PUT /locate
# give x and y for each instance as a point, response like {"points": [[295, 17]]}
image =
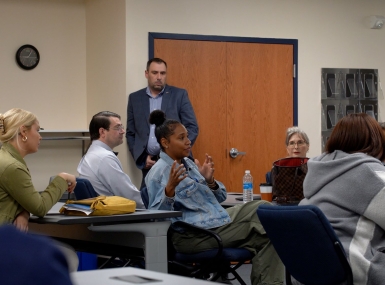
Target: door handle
{"points": [[234, 152]]}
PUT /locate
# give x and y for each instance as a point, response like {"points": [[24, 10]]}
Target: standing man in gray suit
{"points": [[156, 96]]}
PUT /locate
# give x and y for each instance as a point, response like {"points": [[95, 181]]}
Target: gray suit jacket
{"points": [[176, 105]]}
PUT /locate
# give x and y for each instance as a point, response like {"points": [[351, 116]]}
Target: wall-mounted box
{"points": [[351, 86], [346, 91], [325, 136]]}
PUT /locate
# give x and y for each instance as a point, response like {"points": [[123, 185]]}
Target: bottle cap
{"points": [[247, 171]]}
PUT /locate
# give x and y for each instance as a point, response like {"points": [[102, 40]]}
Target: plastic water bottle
{"points": [[247, 187]]}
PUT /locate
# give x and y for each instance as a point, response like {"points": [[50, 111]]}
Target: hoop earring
{"points": [[24, 139]]}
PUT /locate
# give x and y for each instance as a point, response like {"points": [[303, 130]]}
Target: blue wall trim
{"points": [[293, 42]]}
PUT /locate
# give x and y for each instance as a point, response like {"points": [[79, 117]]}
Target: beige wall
{"points": [[93, 53], [106, 66], [56, 89]]}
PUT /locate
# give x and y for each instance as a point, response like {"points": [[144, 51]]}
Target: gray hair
{"points": [[295, 130]]}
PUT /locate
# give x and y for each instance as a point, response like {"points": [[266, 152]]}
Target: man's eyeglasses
{"points": [[298, 143], [118, 128]]}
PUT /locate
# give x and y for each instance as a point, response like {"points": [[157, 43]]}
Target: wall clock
{"points": [[27, 57]]}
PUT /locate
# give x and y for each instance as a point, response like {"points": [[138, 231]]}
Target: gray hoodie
{"points": [[350, 190]]}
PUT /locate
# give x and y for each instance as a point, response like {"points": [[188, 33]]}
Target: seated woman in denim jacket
{"points": [[176, 183]]}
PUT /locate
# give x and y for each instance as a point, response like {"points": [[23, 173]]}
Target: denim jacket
{"points": [[199, 204]]}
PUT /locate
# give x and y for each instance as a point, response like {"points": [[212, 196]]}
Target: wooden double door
{"points": [[242, 94]]}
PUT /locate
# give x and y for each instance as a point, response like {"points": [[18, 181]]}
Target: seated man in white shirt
{"points": [[101, 166]]}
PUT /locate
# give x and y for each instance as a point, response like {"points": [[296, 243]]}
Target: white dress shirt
{"points": [[103, 169]]}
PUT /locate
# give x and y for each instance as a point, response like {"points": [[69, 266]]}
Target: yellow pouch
{"points": [[101, 206]]}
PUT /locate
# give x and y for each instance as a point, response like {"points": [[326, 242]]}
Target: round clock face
{"points": [[27, 57]]}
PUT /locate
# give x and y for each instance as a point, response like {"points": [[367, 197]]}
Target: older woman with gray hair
{"points": [[297, 145], [297, 142]]}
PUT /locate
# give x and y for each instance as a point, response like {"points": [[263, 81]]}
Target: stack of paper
{"points": [[86, 209]]}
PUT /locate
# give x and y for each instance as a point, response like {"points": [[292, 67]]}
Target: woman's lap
{"points": [[245, 231]]}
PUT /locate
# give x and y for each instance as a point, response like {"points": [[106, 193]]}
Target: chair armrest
{"points": [[212, 234]]}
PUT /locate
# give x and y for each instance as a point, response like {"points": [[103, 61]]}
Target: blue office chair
{"points": [[84, 189], [268, 177], [208, 265], [30, 259], [307, 244]]}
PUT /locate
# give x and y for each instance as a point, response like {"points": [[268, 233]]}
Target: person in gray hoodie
{"points": [[347, 182]]}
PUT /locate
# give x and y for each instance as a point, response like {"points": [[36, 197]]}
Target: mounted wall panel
{"points": [[347, 91]]}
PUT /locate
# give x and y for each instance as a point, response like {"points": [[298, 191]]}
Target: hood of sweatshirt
{"points": [[323, 169]]}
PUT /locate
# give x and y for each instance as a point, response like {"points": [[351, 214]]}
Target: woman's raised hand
{"points": [[207, 169], [177, 174]]}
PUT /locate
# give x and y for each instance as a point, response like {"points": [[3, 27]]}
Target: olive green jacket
{"points": [[17, 191]]}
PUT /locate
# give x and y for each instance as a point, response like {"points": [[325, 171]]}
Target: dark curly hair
{"points": [[164, 128]]}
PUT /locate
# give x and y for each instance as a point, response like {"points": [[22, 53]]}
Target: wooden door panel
{"points": [[260, 103], [200, 68], [242, 94]]}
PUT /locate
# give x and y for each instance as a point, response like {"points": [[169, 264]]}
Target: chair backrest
{"points": [[306, 243], [84, 189], [144, 195], [30, 259], [268, 177]]}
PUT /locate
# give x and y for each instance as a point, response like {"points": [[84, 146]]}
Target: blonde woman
{"points": [[19, 135]]}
